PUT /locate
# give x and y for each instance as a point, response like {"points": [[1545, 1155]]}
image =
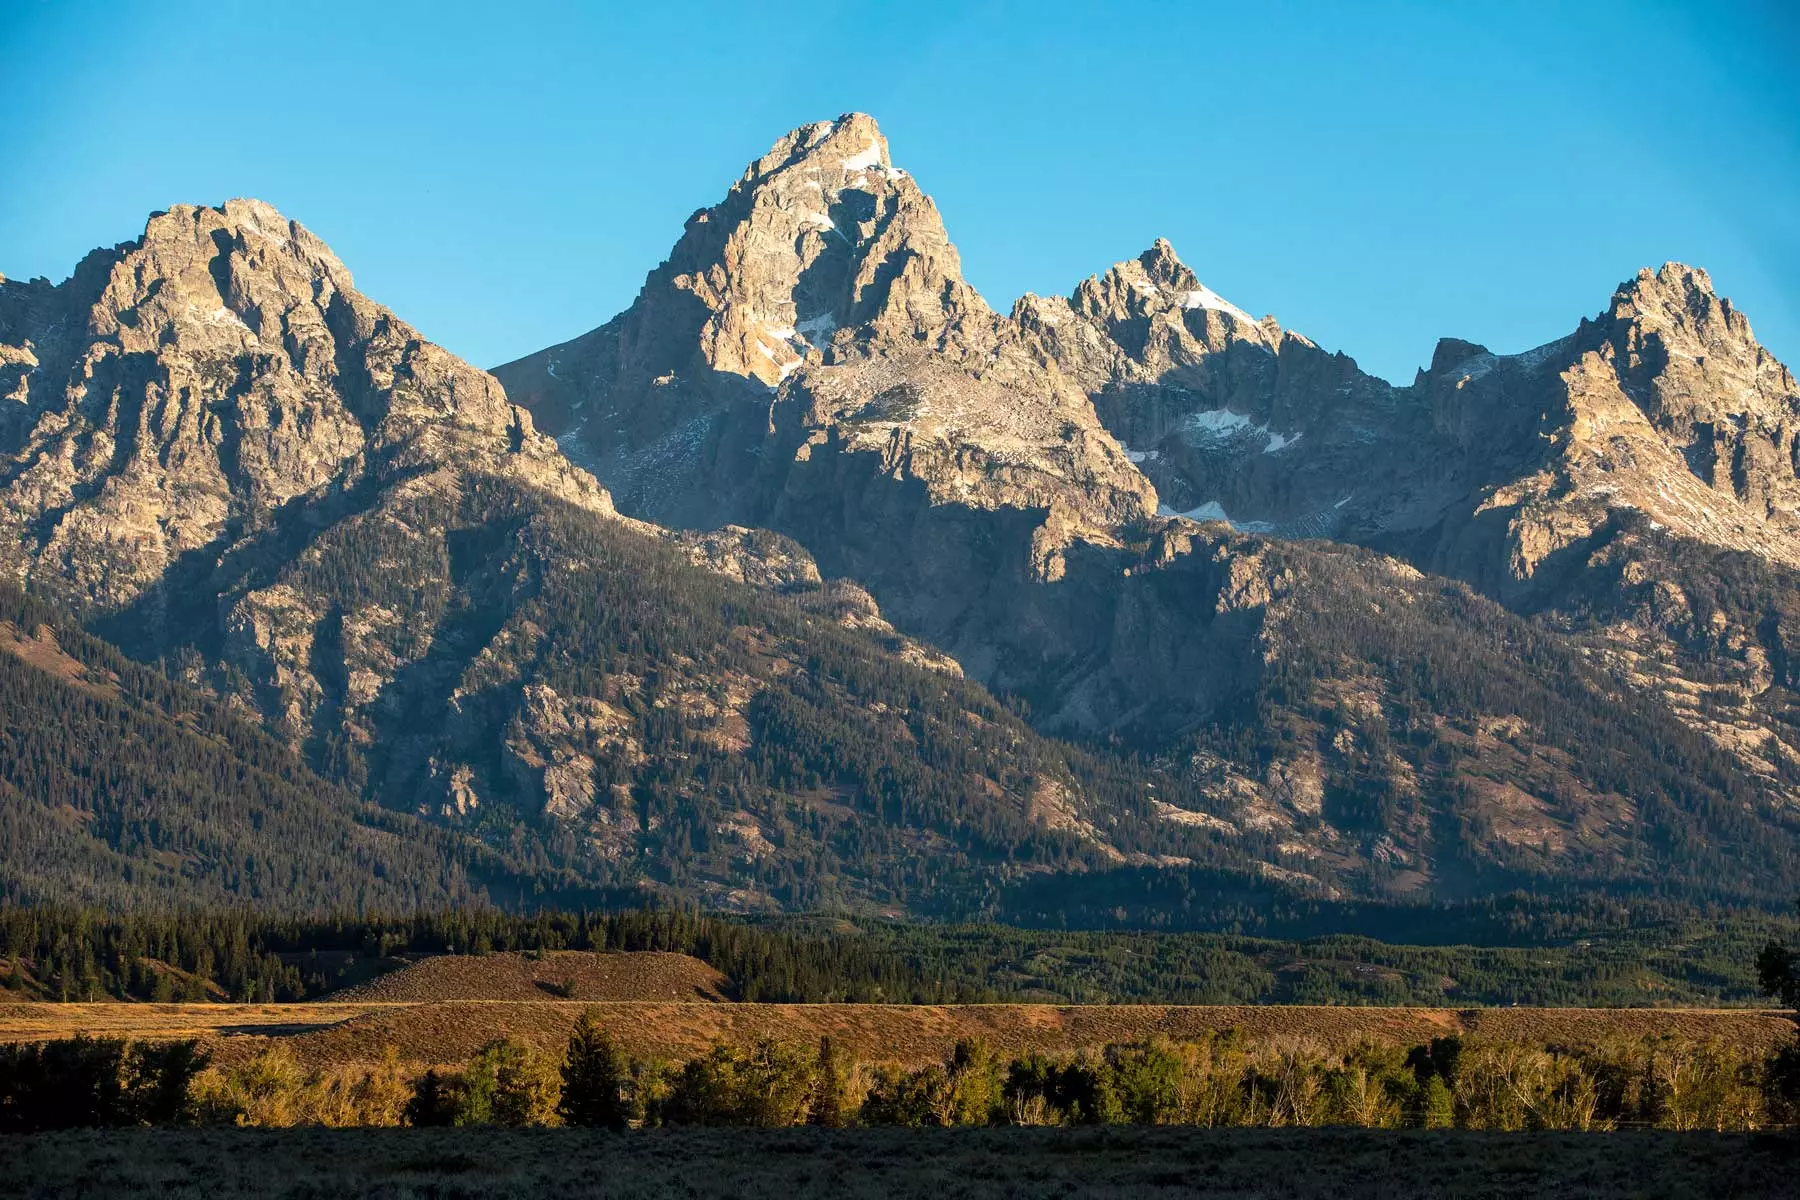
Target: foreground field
{"points": [[404, 1164], [338, 1034]]}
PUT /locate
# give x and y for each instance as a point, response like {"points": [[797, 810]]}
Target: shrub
{"points": [[766, 1085], [508, 1083], [435, 1102]]}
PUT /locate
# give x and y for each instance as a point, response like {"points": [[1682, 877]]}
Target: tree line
{"points": [[1652, 955], [1225, 1079]]}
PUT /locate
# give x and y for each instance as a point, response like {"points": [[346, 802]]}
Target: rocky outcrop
{"points": [[1485, 466]]}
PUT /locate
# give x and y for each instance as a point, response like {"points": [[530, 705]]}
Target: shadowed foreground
{"points": [[791, 1164]]}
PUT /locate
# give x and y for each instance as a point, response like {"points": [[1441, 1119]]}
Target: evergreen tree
{"points": [[597, 1087], [434, 1102]]}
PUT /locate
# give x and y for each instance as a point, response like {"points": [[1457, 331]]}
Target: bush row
{"points": [[1221, 1080]]}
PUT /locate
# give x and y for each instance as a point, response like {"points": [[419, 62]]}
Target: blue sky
{"points": [[1376, 174]]}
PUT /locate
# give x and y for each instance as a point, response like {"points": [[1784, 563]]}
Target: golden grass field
{"points": [[449, 1031], [799, 1164]]}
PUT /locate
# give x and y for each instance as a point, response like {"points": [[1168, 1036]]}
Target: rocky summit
{"points": [[908, 604]]}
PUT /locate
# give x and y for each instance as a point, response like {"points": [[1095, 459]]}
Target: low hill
{"points": [[562, 974]]}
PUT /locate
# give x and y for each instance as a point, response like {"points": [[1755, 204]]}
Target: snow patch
{"points": [[814, 328], [870, 157], [1475, 368], [1221, 424], [1205, 297], [1216, 422], [1141, 456], [550, 368], [819, 220], [1534, 357], [224, 316], [1212, 510]]}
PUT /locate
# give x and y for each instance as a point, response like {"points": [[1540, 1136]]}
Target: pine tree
{"points": [[433, 1102], [597, 1091]]}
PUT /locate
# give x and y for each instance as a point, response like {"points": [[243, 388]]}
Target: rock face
{"points": [[810, 360], [1601, 481], [1486, 466], [813, 331]]}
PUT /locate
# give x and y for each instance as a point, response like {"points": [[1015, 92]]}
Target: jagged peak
{"points": [[852, 144], [250, 223], [1164, 279], [1678, 304], [1672, 289], [1165, 268]]}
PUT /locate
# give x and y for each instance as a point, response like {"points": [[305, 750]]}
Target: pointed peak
{"points": [[1673, 281], [852, 143], [239, 213], [244, 220], [1165, 268], [1677, 297]]}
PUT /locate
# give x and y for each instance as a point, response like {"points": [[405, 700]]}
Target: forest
{"points": [[1669, 957]]}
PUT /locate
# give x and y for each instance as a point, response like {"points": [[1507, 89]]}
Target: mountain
{"points": [[1632, 485], [894, 602], [1044, 496], [234, 465]]}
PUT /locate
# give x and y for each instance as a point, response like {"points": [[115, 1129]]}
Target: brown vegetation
{"points": [[337, 1034], [793, 1164], [553, 975]]}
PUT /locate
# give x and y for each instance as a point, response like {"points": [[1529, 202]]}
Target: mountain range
{"points": [[812, 581]]}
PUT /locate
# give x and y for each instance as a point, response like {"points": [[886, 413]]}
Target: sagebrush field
{"points": [[450, 1031], [791, 1164]]}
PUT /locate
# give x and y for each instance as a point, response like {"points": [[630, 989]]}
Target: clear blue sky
{"points": [[1376, 174]]}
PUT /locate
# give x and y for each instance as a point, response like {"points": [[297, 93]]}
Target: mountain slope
{"points": [[1608, 482], [118, 788]]}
